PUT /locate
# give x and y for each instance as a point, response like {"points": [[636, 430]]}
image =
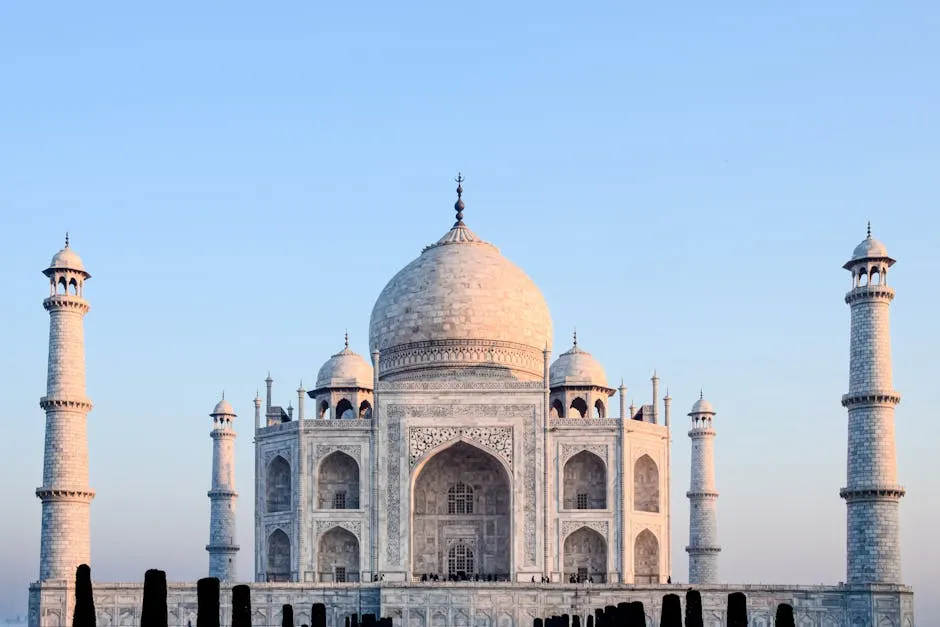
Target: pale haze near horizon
{"points": [[682, 183]]}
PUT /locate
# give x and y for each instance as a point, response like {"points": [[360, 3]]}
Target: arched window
{"points": [[344, 410], [73, 287], [338, 482], [645, 485], [365, 410], [63, 287], [460, 560], [579, 406], [558, 410], [278, 485], [323, 411], [599, 409], [585, 482], [460, 499], [278, 556], [646, 558]]}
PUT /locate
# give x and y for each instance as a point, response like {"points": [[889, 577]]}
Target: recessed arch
{"points": [[278, 485], [338, 556], [323, 410], [62, 286], [338, 482], [585, 482], [600, 411], [558, 409], [646, 485], [585, 556], [73, 286], [278, 563], [482, 483], [579, 405], [365, 410], [344, 410], [646, 558]]}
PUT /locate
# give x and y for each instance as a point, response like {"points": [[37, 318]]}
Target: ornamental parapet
{"points": [[66, 301], [871, 397], [222, 434], [701, 432], [584, 423], [65, 494], [876, 493], [869, 292], [64, 402], [705, 494], [223, 493]]}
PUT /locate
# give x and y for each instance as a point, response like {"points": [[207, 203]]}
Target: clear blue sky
{"points": [[683, 182]]}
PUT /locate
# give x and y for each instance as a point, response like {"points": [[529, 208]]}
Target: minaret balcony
{"points": [[869, 292], [65, 494], [66, 301], [871, 397], [874, 493], [61, 402]]}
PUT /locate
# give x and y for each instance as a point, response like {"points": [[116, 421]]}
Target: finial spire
{"points": [[459, 206], [223, 395], [66, 239], [576, 336], [869, 231], [346, 338], [701, 394]]}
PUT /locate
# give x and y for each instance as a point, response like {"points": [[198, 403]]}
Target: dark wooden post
{"points": [[241, 606], [84, 613], [207, 602], [153, 612]]}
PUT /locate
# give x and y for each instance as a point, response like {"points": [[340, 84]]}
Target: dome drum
{"points": [[486, 357]]}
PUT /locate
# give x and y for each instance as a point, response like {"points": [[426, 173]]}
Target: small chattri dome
{"points": [[222, 408], [868, 249], [67, 259], [577, 367], [702, 406], [345, 369]]}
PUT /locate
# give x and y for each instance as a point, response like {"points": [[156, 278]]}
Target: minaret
{"points": [[703, 546], [65, 495], [222, 548], [872, 494]]}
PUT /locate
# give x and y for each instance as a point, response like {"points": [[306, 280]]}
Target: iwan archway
{"points": [[461, 525]]}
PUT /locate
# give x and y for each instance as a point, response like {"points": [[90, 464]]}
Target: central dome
{"points": [[460, 306]]}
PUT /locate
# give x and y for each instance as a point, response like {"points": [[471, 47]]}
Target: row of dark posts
{"points": [[153, 612], [632, 614]]}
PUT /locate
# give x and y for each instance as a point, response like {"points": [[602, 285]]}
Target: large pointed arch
{"points": [[646, 558], [585, 482], [481, 522], [338, 556], [278, 556], [646, 485], [338, 482], [278, 485]]}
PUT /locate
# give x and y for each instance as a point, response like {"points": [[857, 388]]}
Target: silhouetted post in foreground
{"points": [[353, 621], [785, 616], [368, 620], [241, 606], [287, 615], [693, 609], [576, 621], [347, 622], [84, 614], [153, 611], [636, 616], [590, 620], [672, 611], [207, 602], [737, 609], [318, 616], [537, 622]]}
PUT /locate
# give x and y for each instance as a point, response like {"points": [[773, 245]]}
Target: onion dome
{"points": [[869, 248], [577, 367], [702, 406], [345, 369], [223, 408], [461, 306], [66, 259]]}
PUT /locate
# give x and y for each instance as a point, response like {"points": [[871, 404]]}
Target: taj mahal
{"points": [[469, 473]]}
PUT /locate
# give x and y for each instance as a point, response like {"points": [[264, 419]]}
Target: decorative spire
{"points": [[869, 232], [223, 395], [459, 206], [701, 394], [576, 337], [66, 239], [346, 338]]}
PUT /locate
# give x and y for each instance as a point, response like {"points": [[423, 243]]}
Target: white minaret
{"points": [[65, 495], [222, 548], [703, 546], [872, 494]]}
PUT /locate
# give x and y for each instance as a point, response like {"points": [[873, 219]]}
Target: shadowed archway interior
{"points": [[461, 525]]}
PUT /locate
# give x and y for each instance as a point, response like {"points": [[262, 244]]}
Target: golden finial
{"points": [[459, 206]]}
